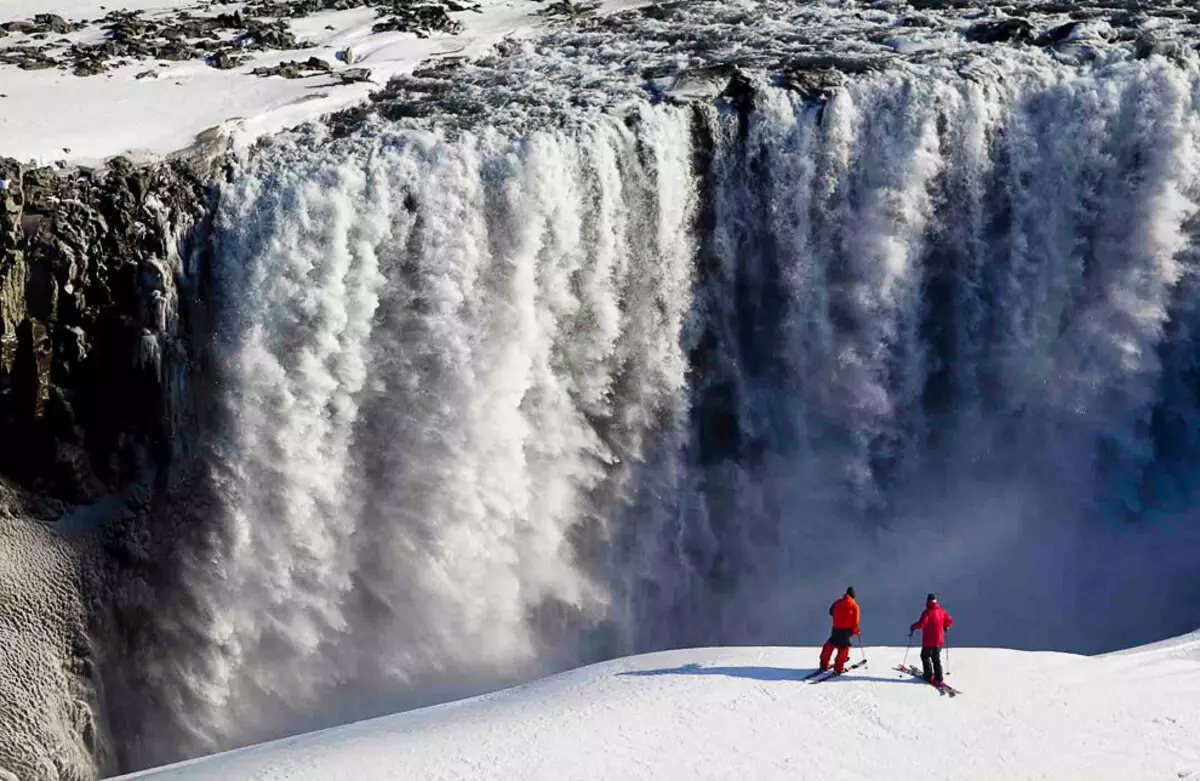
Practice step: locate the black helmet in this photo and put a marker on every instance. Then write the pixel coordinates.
(850, 591)
(931, 597)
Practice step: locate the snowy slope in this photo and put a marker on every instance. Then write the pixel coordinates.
(742, 713)
(49, 115)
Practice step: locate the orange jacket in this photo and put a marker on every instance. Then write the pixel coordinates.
(845, 613)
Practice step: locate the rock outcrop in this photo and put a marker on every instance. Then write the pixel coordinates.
(89, 321)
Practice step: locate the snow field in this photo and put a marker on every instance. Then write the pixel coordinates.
(725, 713)
(52, 115)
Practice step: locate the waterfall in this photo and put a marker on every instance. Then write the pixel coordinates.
(496, 402)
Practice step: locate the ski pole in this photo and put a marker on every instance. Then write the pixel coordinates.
(908, 648)
(862, 650)
(948, 652)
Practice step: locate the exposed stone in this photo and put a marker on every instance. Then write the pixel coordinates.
(83, 281)
(1002, 31)
(352, 75)
(18, 27)
(815, 84)
(1057, 34)
(421, 20)
(223, 41)
(295, 70)
(224, 59)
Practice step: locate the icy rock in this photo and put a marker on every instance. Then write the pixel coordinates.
(700, 83)
(1002, 31)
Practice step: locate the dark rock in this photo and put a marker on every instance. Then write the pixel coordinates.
(55, 24)
(84, 283)
(1057, 34)
(295, 70)
(224, 59)
(421, 20)
(1002, 31)
(933, 5)
(814, 84)
(1150, 46)
(18, 27)
(569, 8)
(269, 36)
(88, 67)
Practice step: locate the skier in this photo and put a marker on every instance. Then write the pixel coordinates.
(933, 623)
(845, 626)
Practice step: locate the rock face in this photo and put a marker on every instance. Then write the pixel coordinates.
(88, 310)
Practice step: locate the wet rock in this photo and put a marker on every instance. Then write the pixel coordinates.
(1001, 31)
(1057, 34)
(1151, 46)
(693, 84)
(814, 84)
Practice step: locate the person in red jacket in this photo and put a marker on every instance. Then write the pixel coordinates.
(845, 626)
(933, 623)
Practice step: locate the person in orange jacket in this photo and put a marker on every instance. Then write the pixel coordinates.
(845, 626)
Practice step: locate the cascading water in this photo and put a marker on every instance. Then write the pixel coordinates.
(497, 401)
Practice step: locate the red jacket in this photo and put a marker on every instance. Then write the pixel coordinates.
(933, 623)
(845, 614)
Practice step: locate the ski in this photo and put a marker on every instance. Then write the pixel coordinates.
(945, 688)
(825, 675)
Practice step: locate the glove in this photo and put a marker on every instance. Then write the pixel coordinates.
(910, 634)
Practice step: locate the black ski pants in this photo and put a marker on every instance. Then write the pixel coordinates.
(931, 661)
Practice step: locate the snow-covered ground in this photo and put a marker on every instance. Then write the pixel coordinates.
(149, 108)
(744, 713)
(51, 115)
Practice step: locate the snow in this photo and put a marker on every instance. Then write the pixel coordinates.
(52, 115)
(742, 713)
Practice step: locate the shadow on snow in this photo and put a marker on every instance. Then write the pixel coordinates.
(765, 673)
